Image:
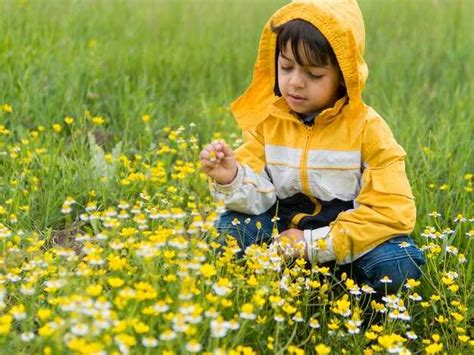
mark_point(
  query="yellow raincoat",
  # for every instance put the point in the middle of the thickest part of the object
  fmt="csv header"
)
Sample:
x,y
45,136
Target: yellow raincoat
x,y
349,154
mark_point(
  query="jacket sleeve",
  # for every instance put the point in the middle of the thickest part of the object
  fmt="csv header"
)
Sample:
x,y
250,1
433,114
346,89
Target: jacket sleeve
x,y
252,191
384,207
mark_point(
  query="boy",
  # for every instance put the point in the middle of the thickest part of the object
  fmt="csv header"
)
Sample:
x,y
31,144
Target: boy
x,y
315,154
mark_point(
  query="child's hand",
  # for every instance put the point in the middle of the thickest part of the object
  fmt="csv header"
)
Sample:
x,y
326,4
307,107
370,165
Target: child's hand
x,y
218,162
291,243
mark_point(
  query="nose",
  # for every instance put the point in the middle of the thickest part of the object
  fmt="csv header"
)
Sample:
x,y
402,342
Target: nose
x,y
296,79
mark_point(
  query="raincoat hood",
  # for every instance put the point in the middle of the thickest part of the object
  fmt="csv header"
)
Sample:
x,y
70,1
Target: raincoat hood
x,y
341,22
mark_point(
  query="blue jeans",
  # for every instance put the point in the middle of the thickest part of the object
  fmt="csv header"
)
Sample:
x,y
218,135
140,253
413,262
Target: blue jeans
x,y
387,259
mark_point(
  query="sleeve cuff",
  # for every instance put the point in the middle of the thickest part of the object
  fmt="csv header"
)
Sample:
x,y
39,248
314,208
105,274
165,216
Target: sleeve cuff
x,y
319,252
227,189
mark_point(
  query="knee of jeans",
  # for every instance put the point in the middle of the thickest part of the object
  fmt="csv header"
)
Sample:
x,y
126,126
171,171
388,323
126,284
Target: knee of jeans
x,y
244,227
392,276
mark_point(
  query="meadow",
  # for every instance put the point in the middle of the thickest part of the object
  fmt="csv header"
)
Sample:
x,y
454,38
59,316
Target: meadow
x,y
107,242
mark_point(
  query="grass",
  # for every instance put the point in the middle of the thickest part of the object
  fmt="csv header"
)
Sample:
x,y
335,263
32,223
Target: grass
x,y
182,63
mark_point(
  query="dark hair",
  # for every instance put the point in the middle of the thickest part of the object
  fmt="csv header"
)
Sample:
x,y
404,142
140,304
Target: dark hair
x,y
306,40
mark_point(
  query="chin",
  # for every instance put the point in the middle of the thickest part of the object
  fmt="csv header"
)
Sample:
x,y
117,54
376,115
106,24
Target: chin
x,y
297,109
300,110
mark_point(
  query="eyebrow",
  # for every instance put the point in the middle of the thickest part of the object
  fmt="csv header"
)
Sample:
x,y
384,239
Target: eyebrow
x,y
311,66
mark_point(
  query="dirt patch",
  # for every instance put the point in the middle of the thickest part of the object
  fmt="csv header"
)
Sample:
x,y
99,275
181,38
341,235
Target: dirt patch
x,y
66,238
101,137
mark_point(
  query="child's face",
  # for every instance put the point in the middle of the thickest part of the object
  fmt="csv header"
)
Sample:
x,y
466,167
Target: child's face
x,y
307,88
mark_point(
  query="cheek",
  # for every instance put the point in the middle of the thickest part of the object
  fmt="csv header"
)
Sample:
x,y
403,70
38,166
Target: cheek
x,y
281,81
325,87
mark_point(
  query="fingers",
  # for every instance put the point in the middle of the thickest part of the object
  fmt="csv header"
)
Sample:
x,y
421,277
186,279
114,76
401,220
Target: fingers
x,y
207,165
216,150
228,152
290,243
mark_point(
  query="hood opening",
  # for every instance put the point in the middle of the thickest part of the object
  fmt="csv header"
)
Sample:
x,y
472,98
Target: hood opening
x,y
340,22
309,47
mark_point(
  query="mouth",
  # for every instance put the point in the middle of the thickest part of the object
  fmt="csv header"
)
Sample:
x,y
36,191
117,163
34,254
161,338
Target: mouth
x,y
296,98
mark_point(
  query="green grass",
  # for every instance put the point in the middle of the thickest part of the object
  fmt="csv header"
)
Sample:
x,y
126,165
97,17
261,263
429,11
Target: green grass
x,y
183,62
175,62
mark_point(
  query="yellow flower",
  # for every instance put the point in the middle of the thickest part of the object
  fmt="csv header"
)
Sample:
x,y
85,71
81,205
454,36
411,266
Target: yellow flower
x,y
370,335
43,313
116,262
342,306
18,311
295,350
259,298
46,330
447,280
211,298
207,270
171,189
94,290
252,281
322,349
98,120
115,282
146,118
289,309
140,327
7,108
5,323
314,284
412,283
457,316
247,308
434,348
226,303
57,128
453,288
333,325
126,339
69,120
390,341
321,244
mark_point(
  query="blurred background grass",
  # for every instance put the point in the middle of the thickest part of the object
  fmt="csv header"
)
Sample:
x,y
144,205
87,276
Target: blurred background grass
x,y
183,61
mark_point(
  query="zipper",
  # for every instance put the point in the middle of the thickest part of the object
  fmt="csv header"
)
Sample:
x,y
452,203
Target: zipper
x,y
304,162
305,186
